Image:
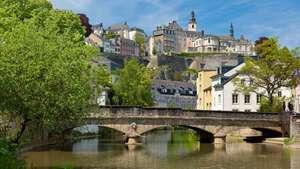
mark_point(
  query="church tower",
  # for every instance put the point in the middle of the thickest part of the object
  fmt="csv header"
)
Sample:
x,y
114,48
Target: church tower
x,y
231,31
192,23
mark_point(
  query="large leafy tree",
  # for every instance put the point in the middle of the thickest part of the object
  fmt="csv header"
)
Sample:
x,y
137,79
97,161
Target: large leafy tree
x,y
133,86
274,69
46,74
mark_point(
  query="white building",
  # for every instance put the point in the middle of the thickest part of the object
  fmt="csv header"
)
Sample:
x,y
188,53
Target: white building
x,y
224,44
226,97
133,31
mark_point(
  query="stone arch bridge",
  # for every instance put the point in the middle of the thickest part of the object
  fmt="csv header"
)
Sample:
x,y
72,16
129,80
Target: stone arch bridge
x,y
213,126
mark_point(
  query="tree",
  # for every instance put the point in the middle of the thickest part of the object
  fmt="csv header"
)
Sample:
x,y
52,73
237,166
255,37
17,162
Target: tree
x,y
273,70
296,52
154,52
110,35
140,40
133,86
45,72
14,12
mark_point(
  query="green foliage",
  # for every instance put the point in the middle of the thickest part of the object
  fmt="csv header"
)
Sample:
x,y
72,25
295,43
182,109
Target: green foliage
x,y
140,40
110,35
171,105
267,107
63,167
154,52
288,141
177,76
133,86
201,54
8,157
13,12
296,52
274,69
45,71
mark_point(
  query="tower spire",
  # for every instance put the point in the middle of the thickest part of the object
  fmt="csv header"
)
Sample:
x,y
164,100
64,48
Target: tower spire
x,y
231,30
193,19
192,23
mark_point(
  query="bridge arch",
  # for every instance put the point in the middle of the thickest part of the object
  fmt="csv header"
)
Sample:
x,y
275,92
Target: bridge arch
x,y
205,136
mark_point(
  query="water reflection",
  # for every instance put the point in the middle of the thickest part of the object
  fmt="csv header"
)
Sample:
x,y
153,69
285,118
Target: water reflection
x,y
166,149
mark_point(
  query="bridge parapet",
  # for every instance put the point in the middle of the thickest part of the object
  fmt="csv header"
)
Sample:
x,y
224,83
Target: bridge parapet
x,y
131,111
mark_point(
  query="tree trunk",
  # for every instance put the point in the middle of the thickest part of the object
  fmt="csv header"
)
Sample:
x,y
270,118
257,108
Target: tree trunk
x,y
20,133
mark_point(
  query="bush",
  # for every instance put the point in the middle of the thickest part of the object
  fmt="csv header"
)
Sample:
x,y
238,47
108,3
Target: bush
x,y
8,156
276,107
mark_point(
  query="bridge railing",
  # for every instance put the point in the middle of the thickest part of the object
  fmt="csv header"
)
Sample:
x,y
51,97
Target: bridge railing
x,y
136,111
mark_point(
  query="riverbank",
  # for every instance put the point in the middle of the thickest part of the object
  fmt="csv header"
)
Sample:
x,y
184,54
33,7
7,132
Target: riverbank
x,y
287,142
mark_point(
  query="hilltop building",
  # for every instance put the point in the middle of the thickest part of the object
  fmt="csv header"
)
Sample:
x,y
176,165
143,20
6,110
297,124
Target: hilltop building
x,y
173,38
123,44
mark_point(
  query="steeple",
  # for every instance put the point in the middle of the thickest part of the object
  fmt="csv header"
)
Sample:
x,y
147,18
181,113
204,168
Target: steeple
x,y
193,19
193,22
231,30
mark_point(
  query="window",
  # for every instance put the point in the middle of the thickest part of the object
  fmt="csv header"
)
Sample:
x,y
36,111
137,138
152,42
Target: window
x,y
235,98
235,110
243,82
247,99
279,94
258,98
219,99
247,110
251,82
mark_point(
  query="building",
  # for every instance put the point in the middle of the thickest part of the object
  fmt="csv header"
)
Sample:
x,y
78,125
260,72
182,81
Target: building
x,y
226,97
112,46
174,94
129,47
173,38
204,101
98,30
134,31
121,29
95,39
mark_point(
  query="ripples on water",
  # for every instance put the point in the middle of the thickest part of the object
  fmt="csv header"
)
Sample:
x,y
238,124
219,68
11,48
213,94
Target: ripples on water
x,y
165,149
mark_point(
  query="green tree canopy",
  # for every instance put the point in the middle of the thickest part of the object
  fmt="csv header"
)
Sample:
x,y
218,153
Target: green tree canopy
x,y
296,52
133,86
110,35
46,75
273,70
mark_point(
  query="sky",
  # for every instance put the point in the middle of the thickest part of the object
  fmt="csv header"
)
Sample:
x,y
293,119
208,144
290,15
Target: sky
x,y
252,18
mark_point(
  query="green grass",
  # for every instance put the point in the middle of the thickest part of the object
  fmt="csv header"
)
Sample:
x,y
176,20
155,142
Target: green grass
x,y
288,141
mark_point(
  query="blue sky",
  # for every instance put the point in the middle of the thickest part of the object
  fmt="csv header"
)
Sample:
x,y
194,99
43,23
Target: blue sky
x,y
253,18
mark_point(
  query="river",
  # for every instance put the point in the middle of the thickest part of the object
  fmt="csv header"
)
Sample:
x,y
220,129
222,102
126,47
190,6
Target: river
x,y
164,149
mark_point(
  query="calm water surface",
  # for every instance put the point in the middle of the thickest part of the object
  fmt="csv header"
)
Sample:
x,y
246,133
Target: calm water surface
x,y
165,149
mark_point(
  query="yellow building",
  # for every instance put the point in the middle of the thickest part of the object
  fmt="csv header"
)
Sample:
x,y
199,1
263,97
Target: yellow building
x,y
204,89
